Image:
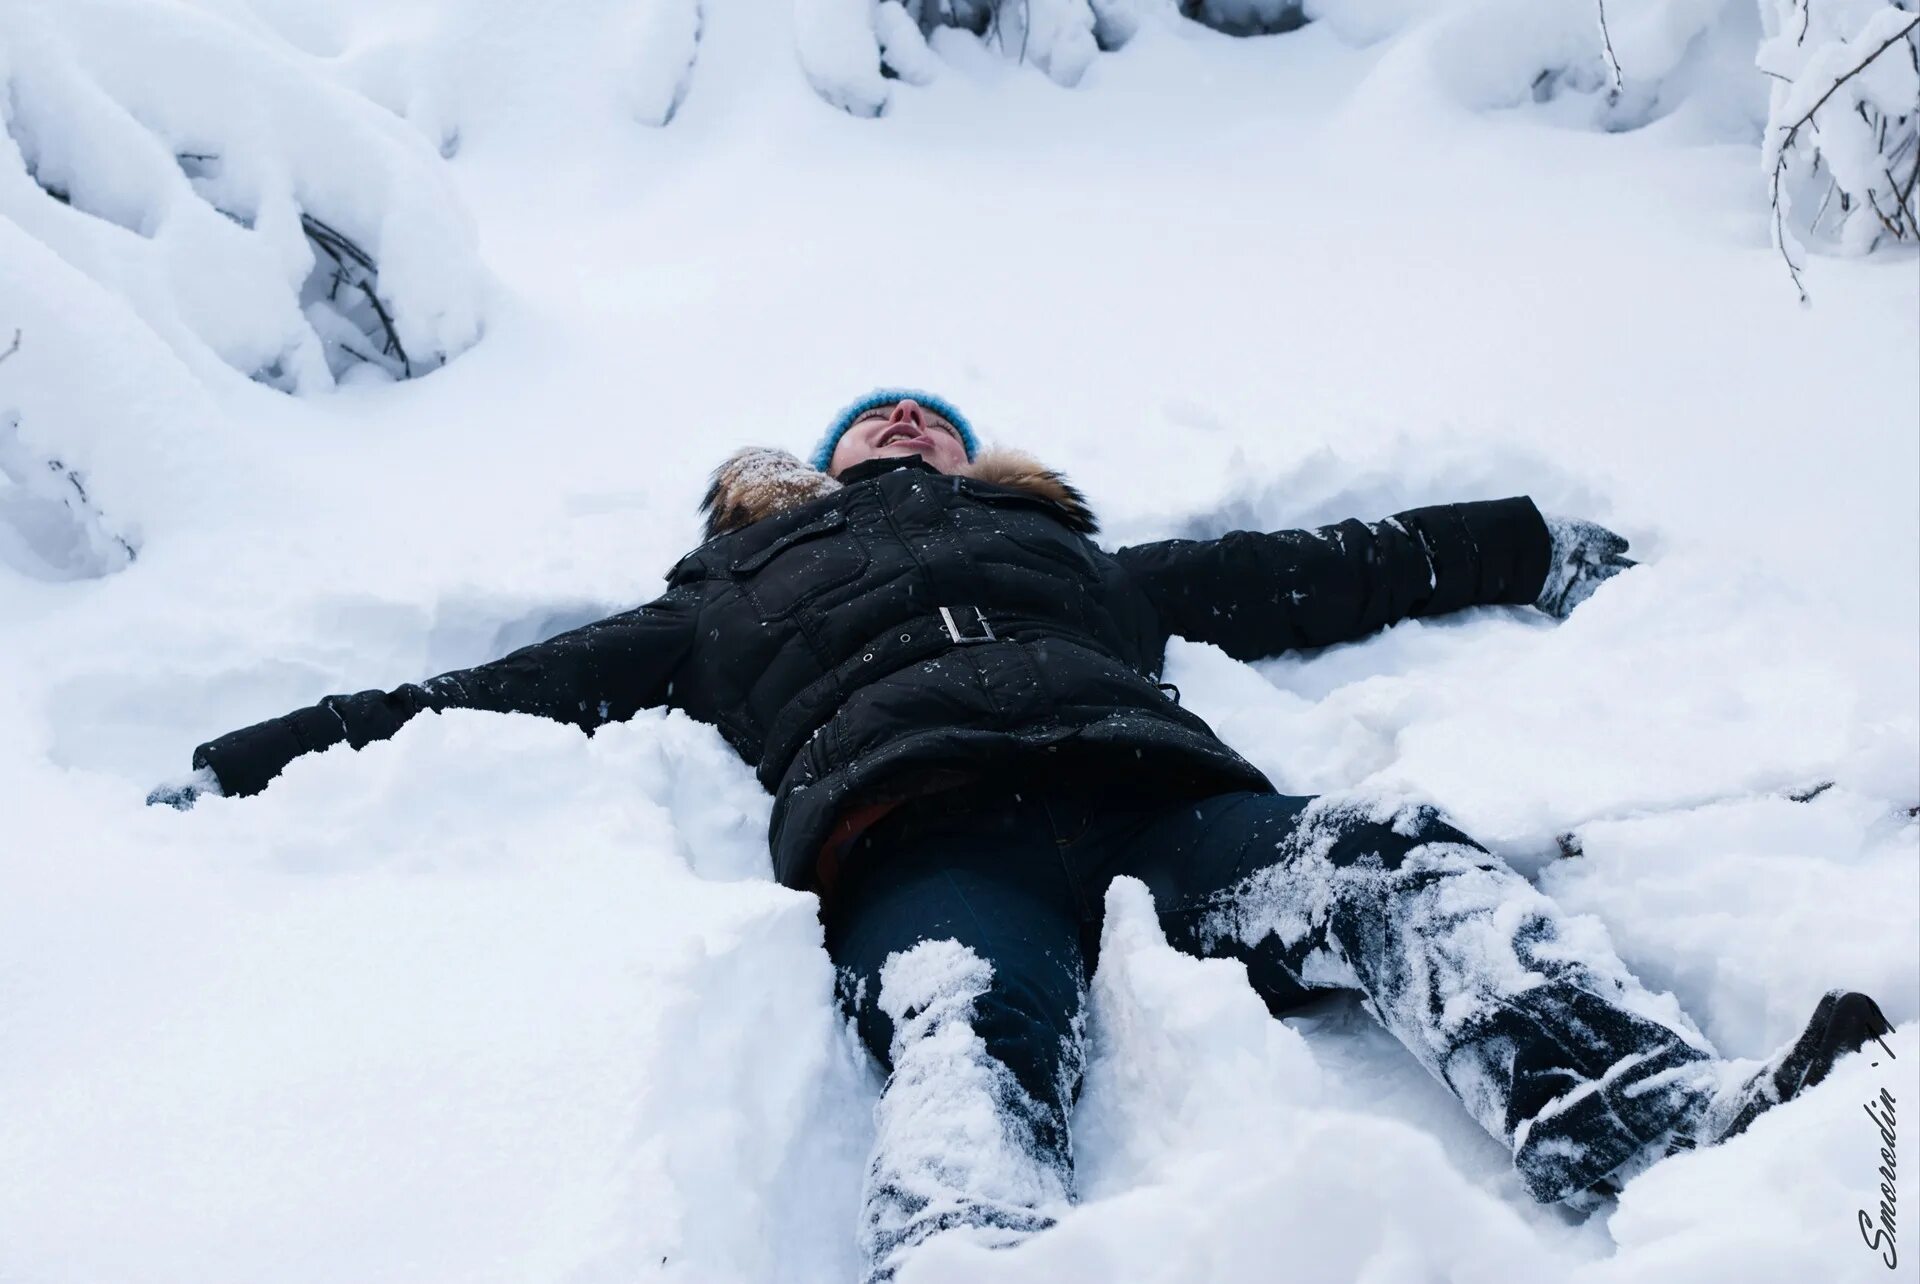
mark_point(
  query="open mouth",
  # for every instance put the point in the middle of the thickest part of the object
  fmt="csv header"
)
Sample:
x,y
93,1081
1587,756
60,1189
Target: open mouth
x,y
901,433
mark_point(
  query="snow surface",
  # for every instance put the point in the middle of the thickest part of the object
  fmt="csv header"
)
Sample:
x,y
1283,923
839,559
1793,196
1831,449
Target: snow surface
x,y
494,1001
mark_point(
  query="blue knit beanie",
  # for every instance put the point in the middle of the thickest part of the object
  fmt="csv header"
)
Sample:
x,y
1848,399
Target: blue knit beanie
x,y
823,454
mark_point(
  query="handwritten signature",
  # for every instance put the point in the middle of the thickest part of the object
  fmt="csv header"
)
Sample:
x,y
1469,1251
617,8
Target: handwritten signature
x,y
1878,1234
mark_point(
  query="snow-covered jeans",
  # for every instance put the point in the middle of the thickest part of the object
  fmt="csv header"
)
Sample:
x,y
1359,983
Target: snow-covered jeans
x,y
964,932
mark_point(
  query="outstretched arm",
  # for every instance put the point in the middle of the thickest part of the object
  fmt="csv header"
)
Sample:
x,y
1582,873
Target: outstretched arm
x,y
1255,595
604,672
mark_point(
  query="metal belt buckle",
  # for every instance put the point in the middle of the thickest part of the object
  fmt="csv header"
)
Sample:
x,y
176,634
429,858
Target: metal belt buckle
x,y
979,617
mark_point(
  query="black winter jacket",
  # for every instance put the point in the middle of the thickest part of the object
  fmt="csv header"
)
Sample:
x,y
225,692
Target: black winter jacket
x,y
849,639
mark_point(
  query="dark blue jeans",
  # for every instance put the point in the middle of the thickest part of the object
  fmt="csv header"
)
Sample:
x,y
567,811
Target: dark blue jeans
x,y
970,922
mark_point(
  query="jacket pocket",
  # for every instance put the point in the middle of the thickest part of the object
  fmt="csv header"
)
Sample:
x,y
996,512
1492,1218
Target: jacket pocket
x,y
805,561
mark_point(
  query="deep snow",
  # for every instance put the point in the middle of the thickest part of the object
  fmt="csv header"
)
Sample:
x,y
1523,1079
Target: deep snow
x,y
495,1001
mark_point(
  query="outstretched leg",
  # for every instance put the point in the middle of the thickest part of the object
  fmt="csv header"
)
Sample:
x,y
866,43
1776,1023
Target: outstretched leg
x,y
1526,1013
960,959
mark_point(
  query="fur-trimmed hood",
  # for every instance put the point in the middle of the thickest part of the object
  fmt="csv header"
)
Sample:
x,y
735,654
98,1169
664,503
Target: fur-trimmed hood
x,y
760,482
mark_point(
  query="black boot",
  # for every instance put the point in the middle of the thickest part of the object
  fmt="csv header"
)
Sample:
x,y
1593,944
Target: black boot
x,y
1844,1021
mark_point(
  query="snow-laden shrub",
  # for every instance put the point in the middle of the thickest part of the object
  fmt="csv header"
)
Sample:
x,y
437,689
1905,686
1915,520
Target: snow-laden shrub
x,y
102,426
51,527
851,49
1636,57
494,72
1842,150
1641,59
249,209
667,46
1606,64
1247,17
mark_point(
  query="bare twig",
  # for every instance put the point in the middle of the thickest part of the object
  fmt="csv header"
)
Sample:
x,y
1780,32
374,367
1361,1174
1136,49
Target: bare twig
x,y
1901,214
386,323
1606,40
11,347
338,246
1884,221
1825,201
346,255
1780,236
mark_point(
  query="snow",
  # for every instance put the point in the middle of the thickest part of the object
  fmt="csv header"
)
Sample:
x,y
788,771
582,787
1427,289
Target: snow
x,y
245,207
496,1001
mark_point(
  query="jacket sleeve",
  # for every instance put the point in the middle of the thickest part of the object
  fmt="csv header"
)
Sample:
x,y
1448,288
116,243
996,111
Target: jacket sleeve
x,y
604,672
1256,595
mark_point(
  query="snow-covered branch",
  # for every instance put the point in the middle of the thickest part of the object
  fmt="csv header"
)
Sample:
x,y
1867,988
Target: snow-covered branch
x,y
1844,129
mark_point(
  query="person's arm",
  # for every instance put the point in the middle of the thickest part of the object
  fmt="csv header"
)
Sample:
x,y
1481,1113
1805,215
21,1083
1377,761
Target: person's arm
x,y
1257,594
603,672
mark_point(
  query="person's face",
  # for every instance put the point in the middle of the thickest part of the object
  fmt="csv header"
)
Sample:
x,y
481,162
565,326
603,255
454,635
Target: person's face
x,y
900,428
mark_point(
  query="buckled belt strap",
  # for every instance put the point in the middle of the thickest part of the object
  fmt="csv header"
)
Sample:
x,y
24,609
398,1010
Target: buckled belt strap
x,y
970,616
899,647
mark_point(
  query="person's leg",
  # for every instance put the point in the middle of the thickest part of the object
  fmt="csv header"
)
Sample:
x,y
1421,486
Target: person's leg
x,y
959,956
1526,1013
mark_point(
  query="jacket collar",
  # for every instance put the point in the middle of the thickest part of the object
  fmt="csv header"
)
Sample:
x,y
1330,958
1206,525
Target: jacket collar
x,y
758,483
870,468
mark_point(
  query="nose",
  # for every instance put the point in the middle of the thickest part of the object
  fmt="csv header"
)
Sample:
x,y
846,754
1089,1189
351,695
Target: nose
x,y
908,411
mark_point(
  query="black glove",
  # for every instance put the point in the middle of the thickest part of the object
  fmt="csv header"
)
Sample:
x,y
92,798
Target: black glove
x,y
181,794
1585,556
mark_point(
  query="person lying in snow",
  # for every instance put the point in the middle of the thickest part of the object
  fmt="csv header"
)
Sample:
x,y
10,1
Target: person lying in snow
x,y
953,694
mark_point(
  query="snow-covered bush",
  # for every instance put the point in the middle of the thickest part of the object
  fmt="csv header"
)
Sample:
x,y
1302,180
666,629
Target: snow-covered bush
x,y
1247,17
99,421
1641,59
850,49
1635,58
1842,150
50,526
668,45
252,211
1608,64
